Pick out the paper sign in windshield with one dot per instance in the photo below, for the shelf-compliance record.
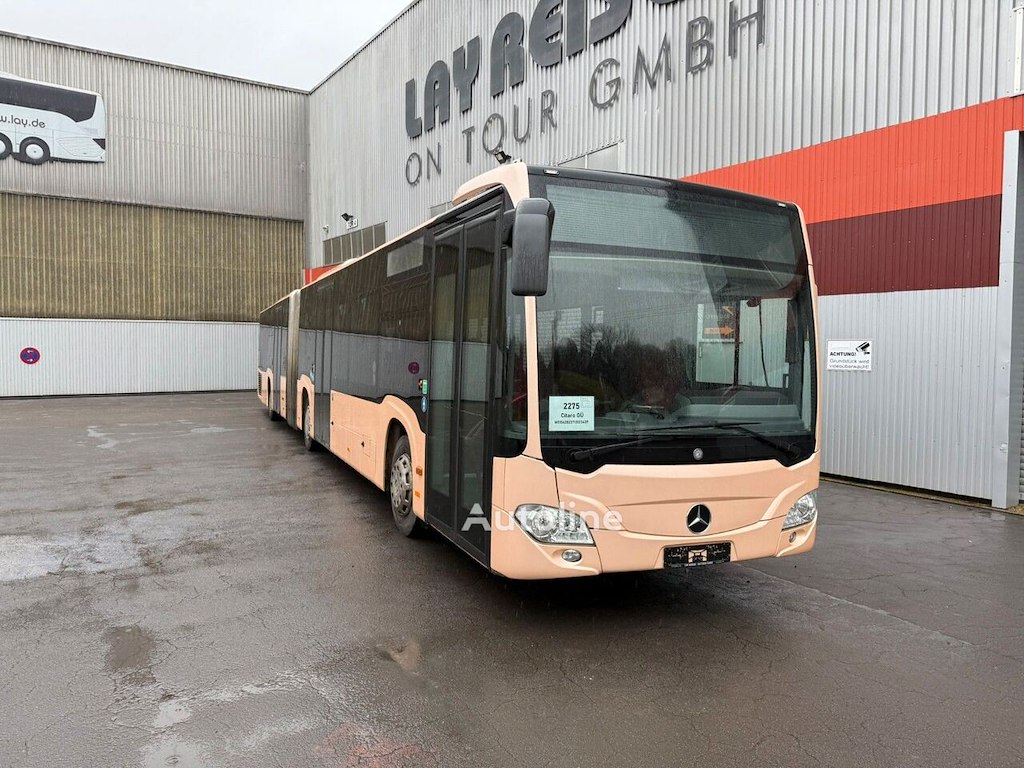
(849, 355)
(571, 414)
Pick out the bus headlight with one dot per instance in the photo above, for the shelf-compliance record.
(551, 525)
(803, 512)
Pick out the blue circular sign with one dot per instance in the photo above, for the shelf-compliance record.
(30, 355)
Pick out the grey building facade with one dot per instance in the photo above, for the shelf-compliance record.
(190, 223)
(894, 124)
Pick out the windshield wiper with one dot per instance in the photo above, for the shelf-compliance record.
(582, 454)
(661, 433)
(785, 446)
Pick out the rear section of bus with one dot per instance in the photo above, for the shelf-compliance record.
(272, 360)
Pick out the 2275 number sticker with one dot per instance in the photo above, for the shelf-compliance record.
(571, 414)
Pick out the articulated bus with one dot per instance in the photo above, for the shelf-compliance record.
(571, 373)
(41, 122)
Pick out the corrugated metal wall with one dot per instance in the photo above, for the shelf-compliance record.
(922, 416)
(175, 138)
(121, 357)
(915, 207)
(827, 70)
(71, 259)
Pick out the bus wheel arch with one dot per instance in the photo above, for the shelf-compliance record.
(34, 151)
(6, 147)
(399, 481)
(395, 430)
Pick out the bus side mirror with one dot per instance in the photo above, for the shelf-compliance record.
(531, 247)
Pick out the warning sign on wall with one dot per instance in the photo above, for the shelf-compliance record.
(849, 355)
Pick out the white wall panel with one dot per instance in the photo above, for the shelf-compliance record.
(923, 416)
(93, 357)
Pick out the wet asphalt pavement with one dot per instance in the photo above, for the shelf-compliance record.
(182, 585)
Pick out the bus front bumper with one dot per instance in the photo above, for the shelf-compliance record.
(516, 555)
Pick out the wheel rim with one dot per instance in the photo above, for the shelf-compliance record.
(34, 152)
(401, 485)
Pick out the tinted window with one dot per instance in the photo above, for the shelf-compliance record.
(77, 106)
(405, 257)
(405, 300)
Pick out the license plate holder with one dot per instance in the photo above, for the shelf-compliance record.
(695, 555)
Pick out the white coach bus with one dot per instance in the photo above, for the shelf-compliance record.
(41, 122)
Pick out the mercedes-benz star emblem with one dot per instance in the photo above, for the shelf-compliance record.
(699, 519)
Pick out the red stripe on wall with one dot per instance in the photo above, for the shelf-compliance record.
(950, 245)
(311, 274)
(953, 156)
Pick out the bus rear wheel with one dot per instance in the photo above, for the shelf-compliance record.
(270, 405)
(34, 152)
(5, 147)
(400, 486)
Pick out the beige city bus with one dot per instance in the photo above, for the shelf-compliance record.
(571, 373)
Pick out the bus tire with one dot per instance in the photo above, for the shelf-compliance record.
(400, 490)
(307, 430)
(5, 147)
(34, 152)
(270, 406)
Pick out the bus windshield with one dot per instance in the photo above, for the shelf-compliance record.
(679, 315)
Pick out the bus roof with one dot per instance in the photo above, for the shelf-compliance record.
(515, 178)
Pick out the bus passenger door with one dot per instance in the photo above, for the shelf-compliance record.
(322, 374)
(459, 423)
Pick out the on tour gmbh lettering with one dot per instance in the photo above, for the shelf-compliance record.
(558, 30)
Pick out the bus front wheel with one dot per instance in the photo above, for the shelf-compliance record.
(5, 147)
(34, 151)
(400, 485)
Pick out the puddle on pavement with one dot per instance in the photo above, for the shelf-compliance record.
(29, 557)
(138, 507)
(171, 713)
(358, 745)
(174, 753)
(130, 653)
(265, 734)
(22, 557)
(406, 653)
(144, 506)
